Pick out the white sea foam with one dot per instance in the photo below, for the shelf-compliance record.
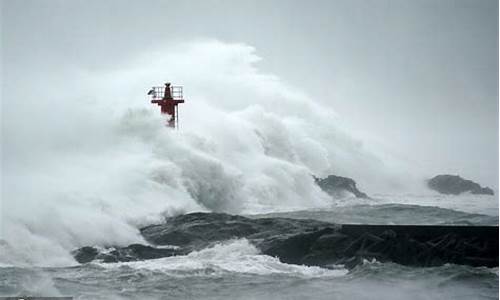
(466, 202)
(237, 256)
(94, 162)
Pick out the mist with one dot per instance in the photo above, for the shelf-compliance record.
(95, 154)
(86, 159)
(404, 75)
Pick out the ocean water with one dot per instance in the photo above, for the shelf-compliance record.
(430, 209)
(103, 165)
(235, 269)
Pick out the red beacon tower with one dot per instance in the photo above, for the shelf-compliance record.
(168, 98)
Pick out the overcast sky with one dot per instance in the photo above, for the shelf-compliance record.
(419, 77)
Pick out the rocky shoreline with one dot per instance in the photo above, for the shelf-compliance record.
(310, 242)
(455, 185)
(337, 185)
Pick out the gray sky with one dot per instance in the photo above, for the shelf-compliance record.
(420, 77)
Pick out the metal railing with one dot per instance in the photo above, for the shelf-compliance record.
(158, 92)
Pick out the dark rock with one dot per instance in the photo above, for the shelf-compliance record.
(311, 242)
(455, 185)
(336, 185)
(196, 231)
(407, 245)
(293, 249)
(85, 254)
(130, 253)
(199, 230)
(137, 252)
(483, 191)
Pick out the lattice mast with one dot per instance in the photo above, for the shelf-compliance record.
(168, 98)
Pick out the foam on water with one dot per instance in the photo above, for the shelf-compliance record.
(371, 280)
(237, 256)
(388, 214)
(99, 163)
(466, 202)
(103, 164)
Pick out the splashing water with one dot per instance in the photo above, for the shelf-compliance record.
(94, 162)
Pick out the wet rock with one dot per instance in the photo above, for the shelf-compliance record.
(337, 185)
(85, 254)
(455, 185)
(316, 243)
(295, 248)
(121, 254)
(136, 252)
(199, 230)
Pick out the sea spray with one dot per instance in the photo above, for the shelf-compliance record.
(90, 162)
(233, 256)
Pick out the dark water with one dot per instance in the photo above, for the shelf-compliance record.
(387, 214)
(236, 270)
(369, 281)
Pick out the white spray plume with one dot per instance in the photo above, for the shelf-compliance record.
(88, 160)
